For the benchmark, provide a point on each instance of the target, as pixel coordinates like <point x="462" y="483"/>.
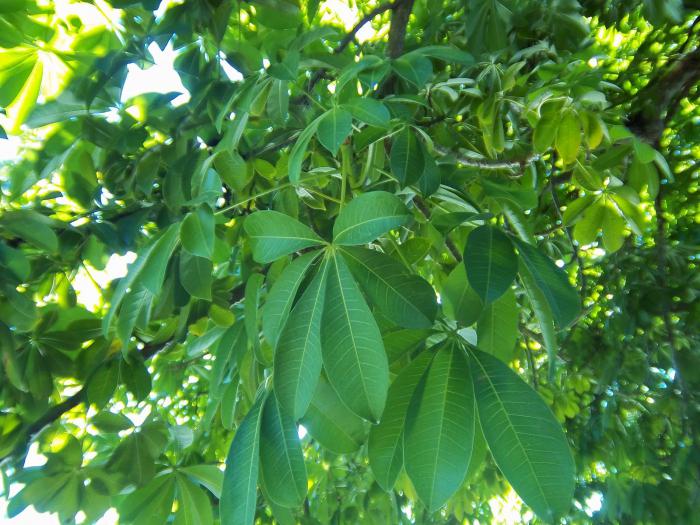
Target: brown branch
<point x="397" y="31"/>
<point x="510" y="165"/>
<point x="423" y="208"/>
<point x="658" y="101"/>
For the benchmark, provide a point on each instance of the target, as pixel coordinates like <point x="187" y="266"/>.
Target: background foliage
<point x="381" y="221"/>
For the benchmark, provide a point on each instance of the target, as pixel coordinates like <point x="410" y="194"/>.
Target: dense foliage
<point x="425" y="261"/>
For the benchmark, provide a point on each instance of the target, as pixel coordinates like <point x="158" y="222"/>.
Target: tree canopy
<point x="422" y="261"/>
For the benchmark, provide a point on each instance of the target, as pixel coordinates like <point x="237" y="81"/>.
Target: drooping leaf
<point x="525" y="439"/>
<point x="462" y="301"/>
<point x="552" y="282"/>
<point x="275" y="234"/>
<point x="490" y="262"/>
<point x="281" y="458"/>
<point x="385" y="445"/>
<point x="298" y="357"/>
<point x="196" y="275"/>
<point x="440" y="428"/>
<point x="406" y="160"/>
<point x="194" y="505"/>
<point x="568" y="139"/>
<point x="353" y="352"/>
<point x="368" y="216"/>
<point x="298" y="152"/>
<point x="406" y="299"/>
<point x="238" y="494"/>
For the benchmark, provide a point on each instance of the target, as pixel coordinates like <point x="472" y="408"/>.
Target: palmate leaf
<point x="275" y="234"/>
<point x="298" y="360"/>
<point x="194" y="506"/>
<point x="497" y="328"/>
<point x="440" y="428"/>
<point x="279" y="300"/>
<point x="490" y="262"/>
<point x="407" y="161"/>
<point x="527" y="443"/>
<point x="238" y="494"/>
<point x="406" y="299"/>
<point x="197" y="232"/>
<point x="281" y="458"/>
<point x="352" y="347"/>
<point x="385" y="445"/>
<point x="368" y="216"/>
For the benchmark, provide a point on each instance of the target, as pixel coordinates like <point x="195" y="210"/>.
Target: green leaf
<point x="251" y="309"/>
<point x="333" y="128"/>
<point x="352" y="347"/>
<point x="21" y="107"/>
<point x="525" y="439"/>
<point x="553" y="282"/>
<point x="414" y="68"/>
<point x="232" y="168"/>
<point x="196" y="275"/>
<point x="351" y="72"/>
<point x="329" y="421"/>
<point x="370" y="111"/>
<point x="281" y="459"/>
<point x="194" y="505"/>
<point x="298" y="360"/>
<point x="497" y="328"/>
<point x="613" y="229"/>
<point x="385" y="444"/>
<point x="135" y="305"/>
<point x="152" y="272"/>
<point x="102" y="385"/>
<point x="238" y="494"/>
<point x="445" y="53"/>
<point x="368" y="216"/>
<point x="440" y="428"/>
<point x="278" y="102"/>
<point x="150" y="504"/>
<point x="197" y="232"/>
<point x="568" y="139"/>
<point x="490" y="262"/>
<point x="406" y="160"/>
<point x="545" y="131"/>
<point x="209" y="476"/>
<point x="406" y="299"/>
<point x="282" y="294"/>
<point x="298" y="151"/>
<point x="275" y="234"/>
<point x="32" y="227"/>
<point x="462" y="302"/>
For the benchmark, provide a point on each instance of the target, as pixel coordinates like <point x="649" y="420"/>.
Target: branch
<point x="658" y="101"/>
<point x="511" y="165"/>
<point x="345" y="41"/>
<point x="423" y="208"/>
<point x="397" y="31"/>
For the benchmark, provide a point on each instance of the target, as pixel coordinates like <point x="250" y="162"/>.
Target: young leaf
<point x="406" y="299"/>
<point x="238" y="494"/>
<point x="368" y="216"/>
<point x="490" y="262"/>
<point x="406" y="160"/>
<point x="333" y="128"/>
<point x="275" y="234"/>
<point x="385" y="444"/>
<point x="370" y="111"/>
<point x="330" y="422"/>
<point x="525" y="439"/>
<point x="545" y="131"/>
<point x="552" y="282"/>
<point x="197" y="232"/>
<point x="353" y="352"/>
<point x="298" y="360"/>
<point x="440" y="428"/>
<point x="281" y="296"/>
<point x="281" y="458"/>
